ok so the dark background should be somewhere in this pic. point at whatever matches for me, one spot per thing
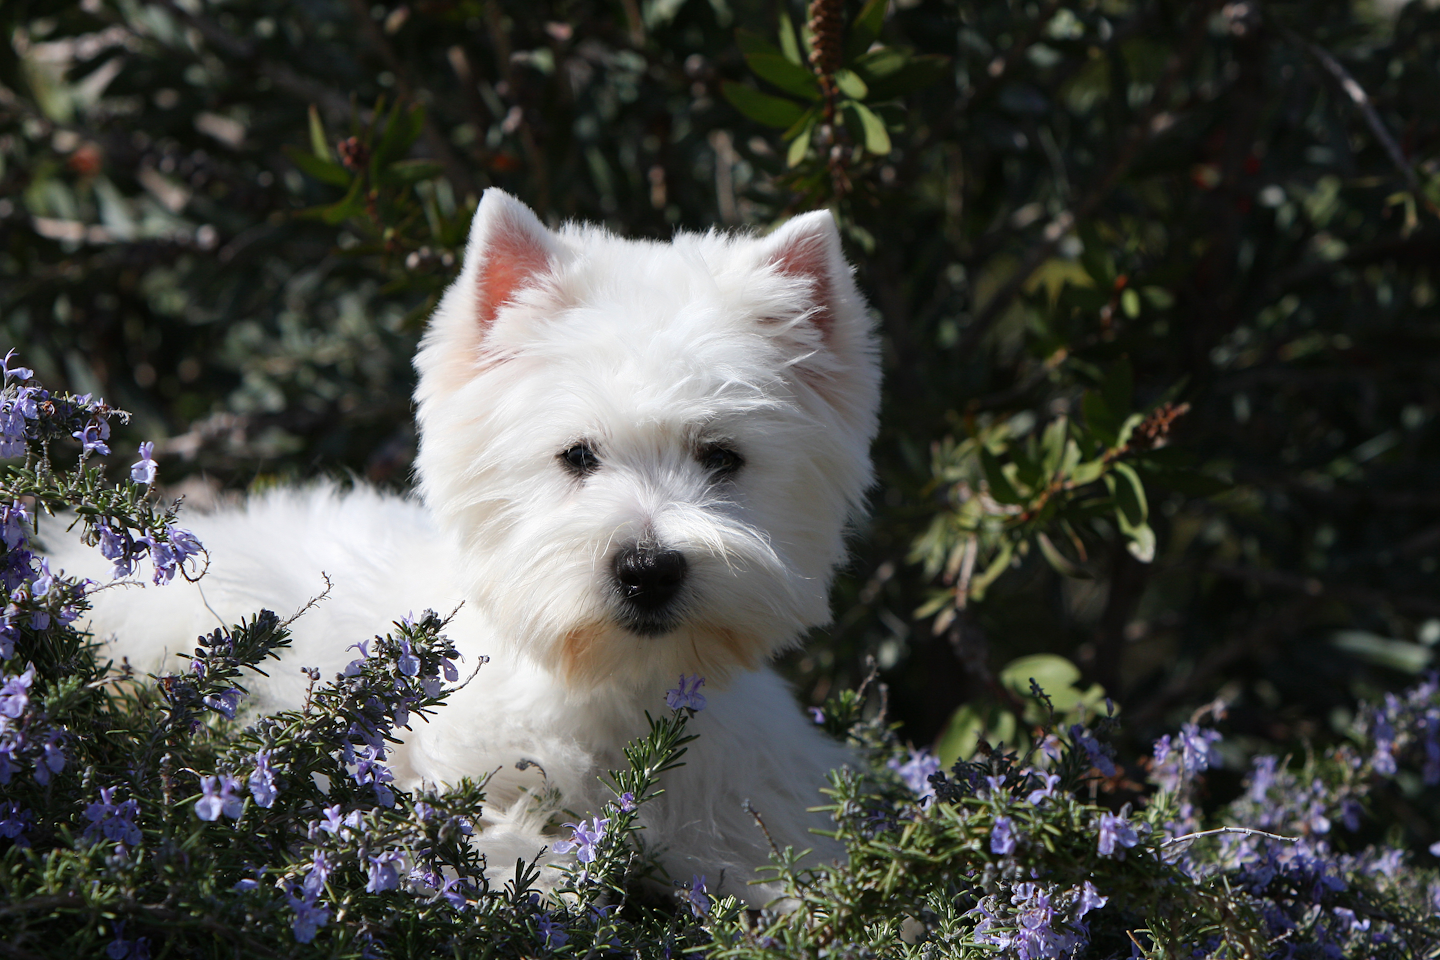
(1235, 202)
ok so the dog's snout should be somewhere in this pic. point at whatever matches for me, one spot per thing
(649, 576)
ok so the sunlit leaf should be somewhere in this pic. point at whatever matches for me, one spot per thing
(762, 107)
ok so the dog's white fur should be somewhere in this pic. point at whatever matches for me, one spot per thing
(650, 355)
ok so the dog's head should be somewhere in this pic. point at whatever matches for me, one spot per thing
(650, 451)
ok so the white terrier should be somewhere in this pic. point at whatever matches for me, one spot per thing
(637, 460)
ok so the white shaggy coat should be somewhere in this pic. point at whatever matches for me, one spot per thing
(649, 355)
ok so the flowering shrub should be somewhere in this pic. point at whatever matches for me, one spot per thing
(143, 818)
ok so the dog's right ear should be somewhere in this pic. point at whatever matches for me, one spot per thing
(509, 249)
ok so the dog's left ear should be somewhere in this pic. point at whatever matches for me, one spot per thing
(835, 345)
(808, 248)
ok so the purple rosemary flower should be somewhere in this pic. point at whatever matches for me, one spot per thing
(112, 821)
(915, 772)
(218, 797)
(1098, 754)
(336, 825)
(383, 871)
(1199, 747)
(1088, 900)
(15, 373)
(552, 934)
(318, 875)
(143, 470)
(93, 436)
(626, 801)
(12, 525)
(455, 892)
(408, 664)
(14, 821)
(43, 582)
(583, 839)
(52, 758)
(15, 693)
(1040, 794)
(122, 949)
(310, 916)
(696, 896)
(1002, 838)
(369, 769)
(262, 782)
(226, 702)
(1115, 831)
(687, 695)
(118, 549)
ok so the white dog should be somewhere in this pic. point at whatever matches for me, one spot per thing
(637, 460)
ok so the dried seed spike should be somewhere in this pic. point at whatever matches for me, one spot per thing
(827, 32)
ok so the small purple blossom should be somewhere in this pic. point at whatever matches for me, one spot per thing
(1088, 900)
(1002, 837)
(122, 949)
(1045, 792)
(696, 897)
(310, 916)
(52, 758)
(408, 664)
(584, 837)
(226, 702)
(15, 820)
(92, 437)
(143, 470)
(455, 892)
(552, 933)
(218, 797)
(15, 373)
(1099, 755)
(1115, 831)
(112, 821)
(370, 769)
(626, 801)
(916, 771)
(687, 695)
(262, 782)
(15, 694)
(382, 871)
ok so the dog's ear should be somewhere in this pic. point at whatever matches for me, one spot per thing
(807, 248)
(509, 249)
(832, 344)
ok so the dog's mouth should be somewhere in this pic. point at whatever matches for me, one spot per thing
(649, 580)
(647, 624)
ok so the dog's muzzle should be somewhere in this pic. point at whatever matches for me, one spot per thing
(648, 581)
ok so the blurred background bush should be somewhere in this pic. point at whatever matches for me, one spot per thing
(1156, 282)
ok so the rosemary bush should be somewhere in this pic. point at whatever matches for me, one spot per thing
(149, 817)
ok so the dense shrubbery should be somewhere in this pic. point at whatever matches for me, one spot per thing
(145, 820)
(1156, 283)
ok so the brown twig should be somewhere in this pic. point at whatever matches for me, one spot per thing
(1373, 120)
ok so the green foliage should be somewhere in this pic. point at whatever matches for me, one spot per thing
(1085, 214)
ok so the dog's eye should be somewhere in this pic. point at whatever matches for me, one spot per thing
(580, 460)
(721, 461)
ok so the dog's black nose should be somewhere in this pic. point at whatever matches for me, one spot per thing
(648, 576)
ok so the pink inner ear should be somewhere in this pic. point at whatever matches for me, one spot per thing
(807, 258)
(513, 257)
